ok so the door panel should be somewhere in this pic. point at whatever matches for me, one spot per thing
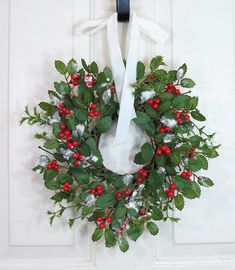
(35, 33)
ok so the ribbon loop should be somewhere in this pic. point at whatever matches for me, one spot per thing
(124, 76)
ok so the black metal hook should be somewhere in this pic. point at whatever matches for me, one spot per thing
(123, 10)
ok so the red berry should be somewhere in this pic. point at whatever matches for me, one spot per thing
(102, 226)
(186, 117)
(152, 76)
(91, 114)
(150, 102)
(144, 173)
(62, 126)
(177, 91)
(66, 186)
(75, 143)
(124, 226)
(168, 151)
(167, 129)
(139, 180)
(142, 212)
(173, 186)
(54, 162)
(56, 168)
(194, 148)
(170, 84)
(100, 192)
(126, 192)
(75, 155)
(75, 83)
(99, 187)
(92, 191)
(61, 135)
(99, 219)
(69, 145)
(67, 132)
(68, 138)
(113, 90)
(170, 194)
(164, 147)
(67, 111)
(108, 219)
(155, 106)
(93, 106)
(189, 174)
(184, 174)
(76, 163)
(119, 195)
(177, 114)
(49, 166)
(61, 105)
(167, 190)
(96, 114)
(157, 100)
(140, 171)
(162, 130)
(81, 157)
(159, 152)
(179, 120)
(75, 76)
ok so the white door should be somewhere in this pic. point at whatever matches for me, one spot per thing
(35, 33)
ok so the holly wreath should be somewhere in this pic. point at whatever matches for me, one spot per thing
(82, 107)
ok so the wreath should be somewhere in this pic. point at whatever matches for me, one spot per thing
(81, 108)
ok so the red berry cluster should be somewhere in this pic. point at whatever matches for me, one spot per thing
(164, 129)
(53, 165)
(163, 149)
(154, 102)
(66, 134)
(191, 154)
(187, 175)
(152, 76)
(172, 89)
(181, 116)
(142, 173)
(98, 190)
(171, 190)
(126, 192)
(63, 110)
(74, 79)
(66, 186)
(78, 158)
(92, 110)
(102, 221)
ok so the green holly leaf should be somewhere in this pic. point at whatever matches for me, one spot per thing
(192, 103)
(181, 71)
(187, 83)
(147, 152)
(49, 175)
(123, 244)
(156, 62)
(142, 118)
(53, 185)
(164, 96)
(195, 140)
(58, 197)
(156, 213)
(156, 180)
(164, 106)
(86, 210)
(198, 116)
(180, 182)
(192, 191)
(210, 152)
(110, 238)
(133, 213)
(56, 129)
(175, 157)
(180, 101)
(51, 109)
(194, 165)
(120, 211)
(135, 230)
(179, 202)
(52, 144)
(104, 124)
(108, 73)
(105, 201)
(204, 162)
(60, 67)
(85, 66)
(62, 88)
(140, 71)
(97, 234)
(71, 67)
(205, 181)
(152, 228)
(94, 68)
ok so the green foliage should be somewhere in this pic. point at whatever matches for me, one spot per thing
(120, 208)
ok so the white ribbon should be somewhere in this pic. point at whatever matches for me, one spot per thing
(124, 76)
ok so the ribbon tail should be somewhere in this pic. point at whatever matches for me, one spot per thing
(89, 27)
(127, 112)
